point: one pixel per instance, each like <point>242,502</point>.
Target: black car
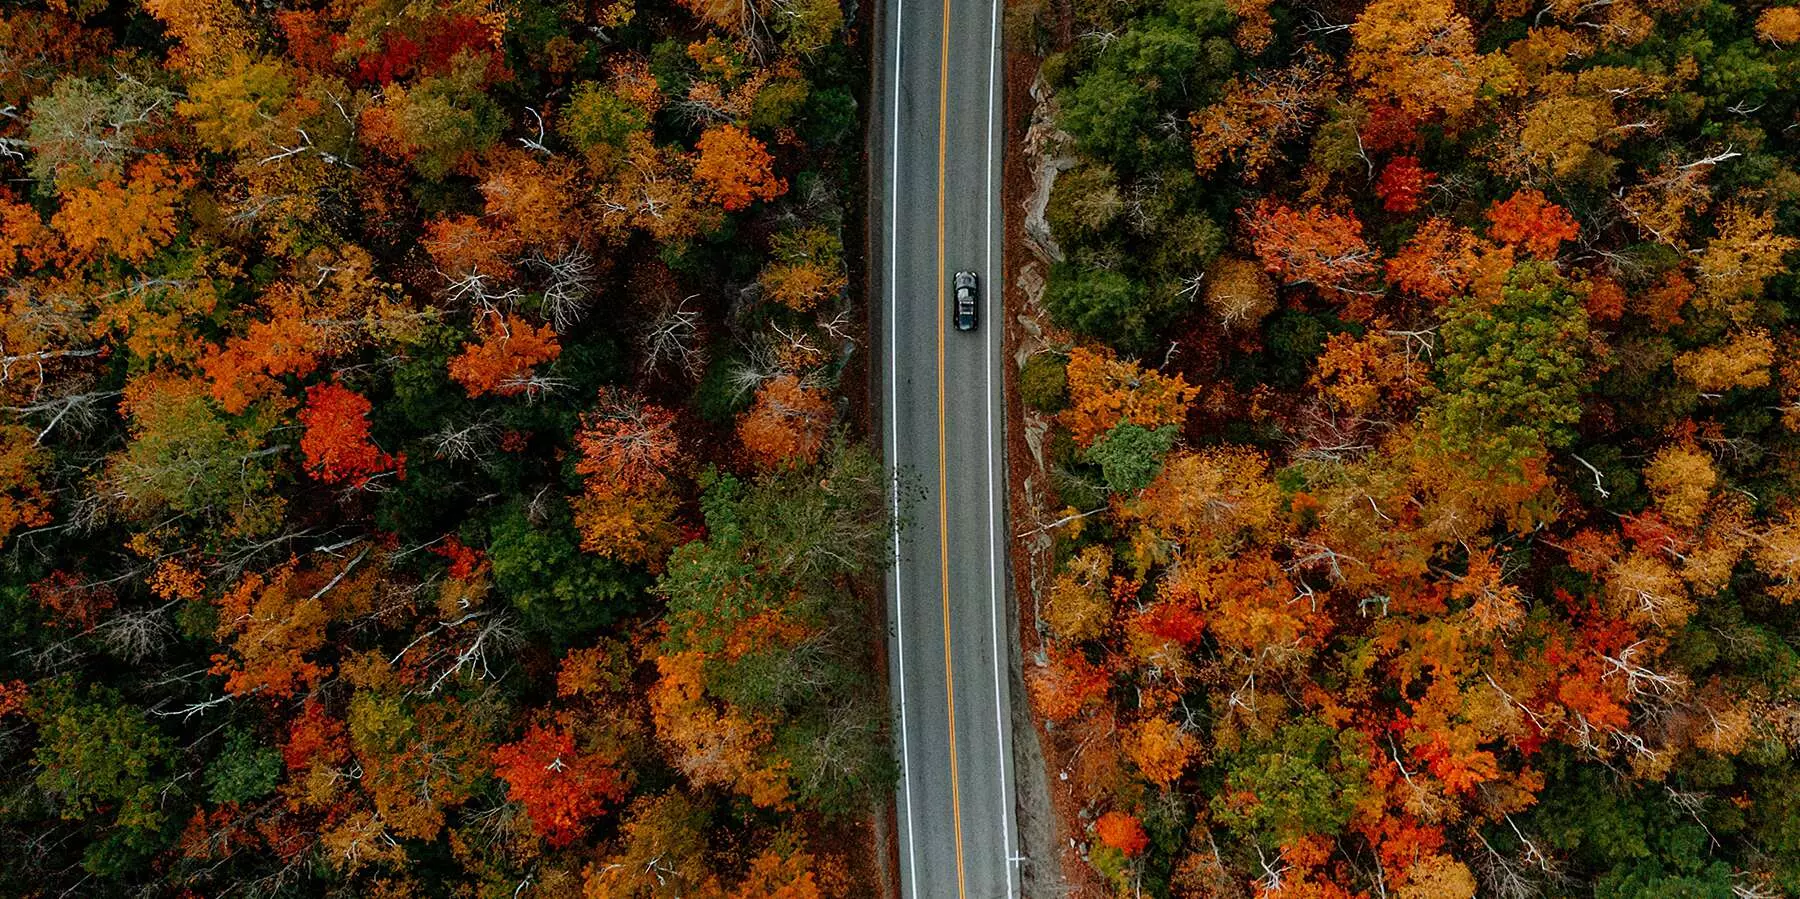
<point>968,291</point>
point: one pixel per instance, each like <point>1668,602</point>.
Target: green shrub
<point>1044,383</point>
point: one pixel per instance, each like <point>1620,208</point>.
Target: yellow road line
<point>943,471</point>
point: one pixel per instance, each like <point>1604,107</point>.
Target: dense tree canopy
<point>407,411</point>
<point>1429,531</point>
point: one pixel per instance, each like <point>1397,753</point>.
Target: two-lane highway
<point>937,169</point>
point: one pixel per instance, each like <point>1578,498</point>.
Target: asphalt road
<point>936,159</point>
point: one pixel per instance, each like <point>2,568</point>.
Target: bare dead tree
<point>1640,681</point>
<point>134,636</point>
<point>1271,880</point>
<point>303,146</point>
<point>200,707</point>
<point>479,290</point>
<point>672,338</point>
<point>1729,152</point>
<point>79,411</point>
<point>536,144</point>
<point>1505,876</point>
<point>35,363</point>
<point>568,288</point>
<point>533,386</point>
<point>837,327</point>
<point>464,442</point>
<point>1751,885</point>
<point>497,633</point>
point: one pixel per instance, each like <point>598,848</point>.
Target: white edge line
<point>1000,728</point>
<point>893,179</point>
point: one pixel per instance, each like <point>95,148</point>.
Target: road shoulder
<point>1052,867</point>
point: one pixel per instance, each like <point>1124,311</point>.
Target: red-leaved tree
<point>561,787</point>
<point>336,442</point>
<point>1531,222</point>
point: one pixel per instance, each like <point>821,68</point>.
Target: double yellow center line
<point>943,471</point>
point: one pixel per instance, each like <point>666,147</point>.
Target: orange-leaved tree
<point>624,437</point>
<point>245,369</point>
<point>464,246</point>
<point>735,168</point>
<point>24,465</point>
<point>712,743</point>
<point>1438,263</point>
<point>629,450</point>
<point>533,199</point>
<point>131,220</point>
<point>561,786</point>
<point>788,424</point>
<point>1122,831</point>
<point>779,873</point>
<point>657,191</point>
<point>23,236</point>
<point>1314,246</point>
<point>273,624</point>
<point>1161,749</point>
<point>1106,391</point>
<point>1249,124</point>
<point>1210,498</point>
<point>503,362</point>
<point>1530,221</point>
<point>1066,685</point>
<point>1779,25</point>
<point>1358,374</point>
<point>336,442</point>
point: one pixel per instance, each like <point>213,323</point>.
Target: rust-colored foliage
<point>561,786</point>
<point>1066,686</point>
<point>625,438</point>
<point>130,220</point>
<point>1105,390</point>
<point>23,236</point>
<point>464,245</point>
<point>533,199</point>
<point>777,875</point>
<point>713,746</point>
<point>1362,375</point>
<point>1402,184</point>
<point>735,169</point>
<point>629,450</point>
<point>23,464</point>
<point>788,425</point>
<point>1531,222</point>
<point>1255,116</point>
<point>1122,831</point>
<point>503,362</point>
<point>247,367</point>
<point>314,737</point>
<point>1210,497</point>
<point>274,625</point>
<point>1160,749</point>
<point>1314,246</point>
<point>71,604</point>
<point>336,442</point>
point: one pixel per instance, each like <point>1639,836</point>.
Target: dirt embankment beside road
<point>1052,835</point>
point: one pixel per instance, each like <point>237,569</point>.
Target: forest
<point>1424,416</point>
<point>430,450</point>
